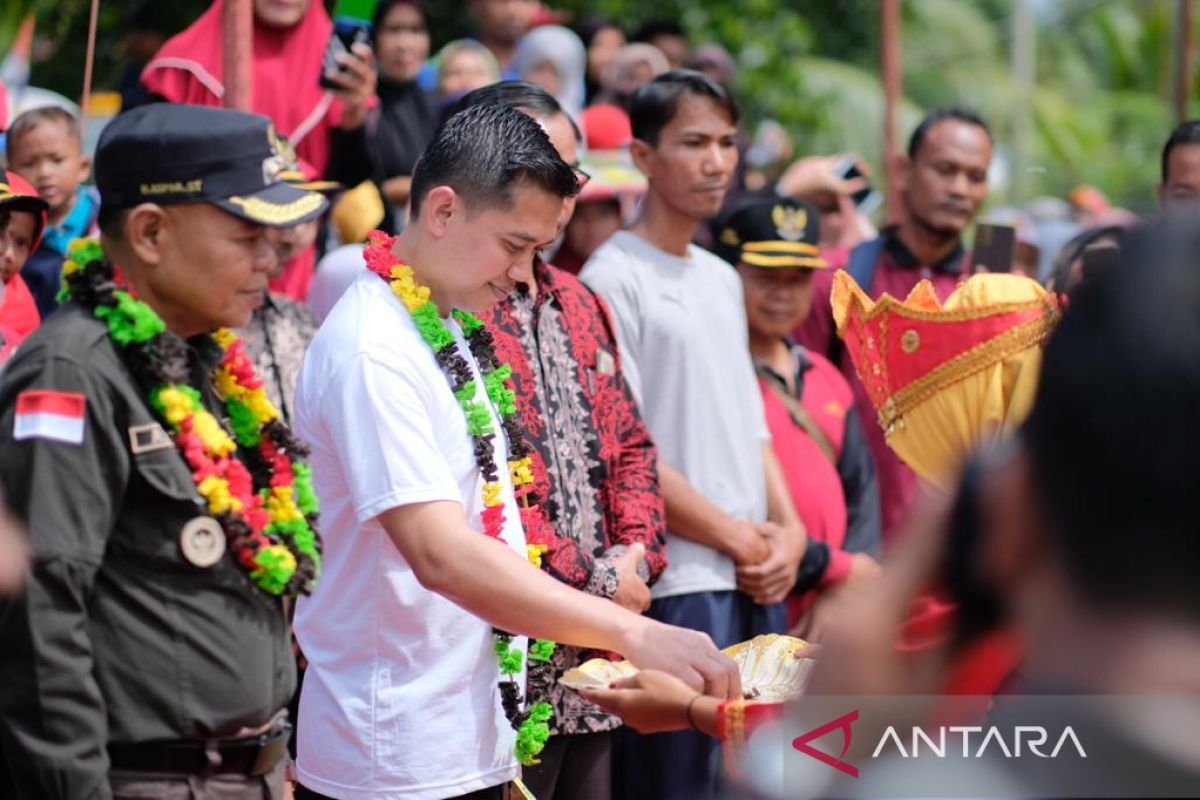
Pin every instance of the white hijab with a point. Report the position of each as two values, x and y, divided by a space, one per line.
563 48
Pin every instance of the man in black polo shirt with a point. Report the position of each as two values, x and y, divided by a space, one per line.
943 183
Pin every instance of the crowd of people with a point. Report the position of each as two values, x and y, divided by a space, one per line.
609 379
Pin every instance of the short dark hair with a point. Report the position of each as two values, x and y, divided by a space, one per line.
1075 248
1185 133
385 7
654 28
954 113
520 95
110 219
1123 364
29 120
655 104
483 152
587 28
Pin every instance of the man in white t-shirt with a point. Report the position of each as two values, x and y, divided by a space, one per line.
400 698
734 538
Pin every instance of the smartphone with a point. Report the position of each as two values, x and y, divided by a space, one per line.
351 24
993 249
867 199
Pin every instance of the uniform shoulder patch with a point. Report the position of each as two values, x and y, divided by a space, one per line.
47 414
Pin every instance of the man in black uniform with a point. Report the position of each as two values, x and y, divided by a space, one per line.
144 658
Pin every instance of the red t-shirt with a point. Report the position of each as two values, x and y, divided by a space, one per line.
18 315
813 479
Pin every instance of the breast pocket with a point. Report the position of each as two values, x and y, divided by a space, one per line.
160 501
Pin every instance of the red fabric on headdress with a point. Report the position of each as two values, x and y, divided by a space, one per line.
286 65
906 350
891 328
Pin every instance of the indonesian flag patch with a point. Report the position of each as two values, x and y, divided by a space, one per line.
44 414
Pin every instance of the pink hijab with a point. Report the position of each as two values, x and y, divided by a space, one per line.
287 65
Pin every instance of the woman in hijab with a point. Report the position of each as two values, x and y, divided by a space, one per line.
603 39
463 65
553 58
407 113
635 65
325 127
715 62
288 50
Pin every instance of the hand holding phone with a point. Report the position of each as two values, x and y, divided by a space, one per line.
994 248
866 199
351 26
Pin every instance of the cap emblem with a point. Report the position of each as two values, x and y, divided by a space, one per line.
790 223
283 155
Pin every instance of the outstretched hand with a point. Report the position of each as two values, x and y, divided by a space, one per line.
688 655
652 702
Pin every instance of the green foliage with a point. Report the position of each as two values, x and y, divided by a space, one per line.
1098 113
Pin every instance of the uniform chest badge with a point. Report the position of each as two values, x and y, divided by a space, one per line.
202 542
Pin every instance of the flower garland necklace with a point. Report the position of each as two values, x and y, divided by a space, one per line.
532 725
255 483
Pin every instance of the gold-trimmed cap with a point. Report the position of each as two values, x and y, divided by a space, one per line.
173 154
775 233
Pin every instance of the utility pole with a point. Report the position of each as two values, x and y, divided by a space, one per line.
1024 58
889 38
238 23
1183 58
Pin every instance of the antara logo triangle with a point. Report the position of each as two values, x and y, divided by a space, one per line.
842 723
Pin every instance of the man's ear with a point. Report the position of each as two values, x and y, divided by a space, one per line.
438 207
147 230
641 152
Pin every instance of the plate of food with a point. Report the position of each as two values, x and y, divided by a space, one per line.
771 670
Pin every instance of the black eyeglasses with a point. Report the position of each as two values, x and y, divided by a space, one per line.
581 175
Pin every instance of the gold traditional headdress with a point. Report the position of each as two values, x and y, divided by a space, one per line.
947 377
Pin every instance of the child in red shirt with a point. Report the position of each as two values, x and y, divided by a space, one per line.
23 218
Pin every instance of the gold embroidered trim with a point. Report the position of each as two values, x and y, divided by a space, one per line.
781 247
759 260
964 365
274 213
921 304
735 727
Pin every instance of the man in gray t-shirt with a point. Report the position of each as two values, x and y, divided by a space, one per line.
734 540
